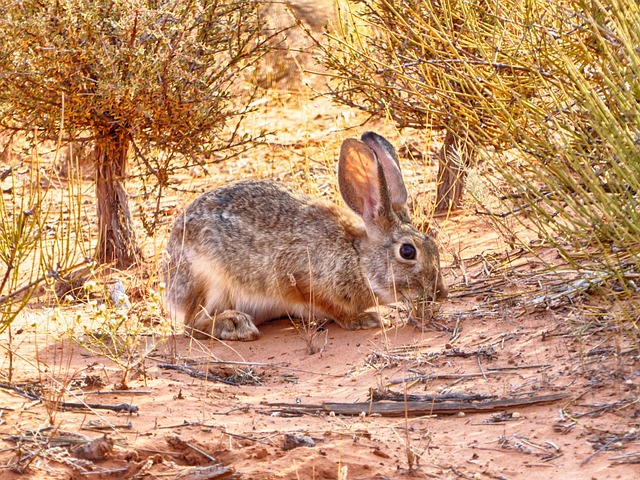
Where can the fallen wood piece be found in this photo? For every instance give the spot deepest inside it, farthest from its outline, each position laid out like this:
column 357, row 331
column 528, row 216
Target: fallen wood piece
column 395, row 409
column 379, row 395
column 417, row 409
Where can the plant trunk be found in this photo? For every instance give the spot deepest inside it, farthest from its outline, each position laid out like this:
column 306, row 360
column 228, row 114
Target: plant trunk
column 116, row 238
column 453, row 160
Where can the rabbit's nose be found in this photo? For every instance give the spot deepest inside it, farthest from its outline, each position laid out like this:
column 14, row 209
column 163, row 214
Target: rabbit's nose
column 442, row 293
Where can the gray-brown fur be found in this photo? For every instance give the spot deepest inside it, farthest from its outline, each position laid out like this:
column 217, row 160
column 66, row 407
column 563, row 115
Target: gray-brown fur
column 254, row 250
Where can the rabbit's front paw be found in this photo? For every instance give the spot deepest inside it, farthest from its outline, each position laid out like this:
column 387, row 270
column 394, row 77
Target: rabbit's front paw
column 228, row 325
column 364, row 321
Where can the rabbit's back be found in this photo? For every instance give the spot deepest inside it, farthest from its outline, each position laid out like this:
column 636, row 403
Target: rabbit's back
column 254, row 219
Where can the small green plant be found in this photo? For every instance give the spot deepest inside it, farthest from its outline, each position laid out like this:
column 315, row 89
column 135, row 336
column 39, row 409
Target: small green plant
column 22, row 222
column 311, row 330
column 120, row 331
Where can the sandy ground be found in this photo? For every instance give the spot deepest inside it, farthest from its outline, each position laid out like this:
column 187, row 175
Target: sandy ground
column 493, row 338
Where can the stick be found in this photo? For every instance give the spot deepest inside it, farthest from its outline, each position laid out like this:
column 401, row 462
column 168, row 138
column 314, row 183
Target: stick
column 122, row 407
column 519, row 367
column 177, row 440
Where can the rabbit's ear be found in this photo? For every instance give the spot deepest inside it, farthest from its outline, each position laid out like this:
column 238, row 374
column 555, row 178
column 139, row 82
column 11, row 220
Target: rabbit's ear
column 362, row 182
column 388, row 158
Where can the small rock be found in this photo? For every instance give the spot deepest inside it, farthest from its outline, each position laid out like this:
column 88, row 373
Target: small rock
column 119, row 296
column 294, row 441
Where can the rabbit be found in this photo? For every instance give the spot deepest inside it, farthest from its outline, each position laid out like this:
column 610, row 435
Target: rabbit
column 252, row 251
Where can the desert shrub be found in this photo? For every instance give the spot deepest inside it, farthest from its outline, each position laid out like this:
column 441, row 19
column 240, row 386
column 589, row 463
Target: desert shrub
column 151, row 79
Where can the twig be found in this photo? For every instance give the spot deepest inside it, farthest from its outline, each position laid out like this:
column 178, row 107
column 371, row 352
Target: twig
column 116, row 392
column 633, row 457
column 601, row 449
column 51, row 274
column 519, row 367
column 21, row 392
column 200, row 451
column 196, row 374
column 122, row 407
column 480, row 366
column 185, row 423
column 106, row 472
column 269, row 365
column 440, row 376
column 244, row 437
column 99, row 428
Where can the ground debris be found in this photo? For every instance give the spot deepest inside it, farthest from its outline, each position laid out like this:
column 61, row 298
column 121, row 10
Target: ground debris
column 239, row 377
column 631, row 458
column 58, row 438
column 522, row 444
column 32, row 395
column 608, row 442
column 501, row 417
column 180, row 444
column 208, row 473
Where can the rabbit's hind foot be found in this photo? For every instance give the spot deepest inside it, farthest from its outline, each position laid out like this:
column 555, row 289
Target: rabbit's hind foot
column 228, row 325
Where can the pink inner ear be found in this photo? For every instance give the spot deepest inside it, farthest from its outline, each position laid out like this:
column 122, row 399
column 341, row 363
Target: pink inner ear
column 359, row 178
column 366, row 172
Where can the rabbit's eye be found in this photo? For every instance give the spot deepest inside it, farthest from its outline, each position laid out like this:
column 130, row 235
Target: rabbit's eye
column 407, row 251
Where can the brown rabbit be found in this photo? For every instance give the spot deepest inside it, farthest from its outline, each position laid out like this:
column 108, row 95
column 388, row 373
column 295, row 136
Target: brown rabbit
column 255, row 250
